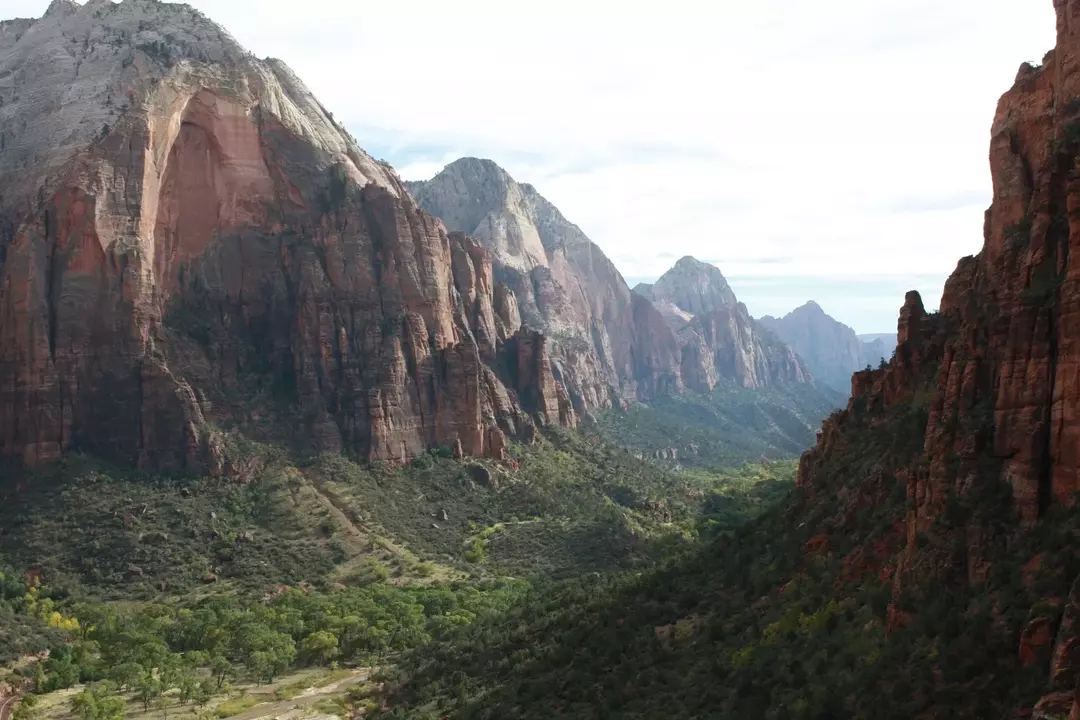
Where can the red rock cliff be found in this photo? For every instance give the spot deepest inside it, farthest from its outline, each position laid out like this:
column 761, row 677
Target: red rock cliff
column 185, row 231
column 998, row 370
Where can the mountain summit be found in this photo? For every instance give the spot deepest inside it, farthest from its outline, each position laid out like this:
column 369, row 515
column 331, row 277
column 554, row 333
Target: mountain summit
column 693, row 286
column 190, row 242
column 686, row 331
column 709, row 321
column 830, row 348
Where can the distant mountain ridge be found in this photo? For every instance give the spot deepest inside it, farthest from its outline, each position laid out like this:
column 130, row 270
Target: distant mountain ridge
column 831, row 349
column 686, row 331
column 710, row 322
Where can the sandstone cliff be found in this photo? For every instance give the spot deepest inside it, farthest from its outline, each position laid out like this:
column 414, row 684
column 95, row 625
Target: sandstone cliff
column 717, row 337
column 189, row 241
column 688, row 330
column 995, row 373
column 606, row 345
column 830, row 348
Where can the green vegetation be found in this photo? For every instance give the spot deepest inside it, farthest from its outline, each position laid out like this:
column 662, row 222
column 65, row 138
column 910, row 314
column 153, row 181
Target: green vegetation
column 787, row 616
column 189, row 596
column 725, row 428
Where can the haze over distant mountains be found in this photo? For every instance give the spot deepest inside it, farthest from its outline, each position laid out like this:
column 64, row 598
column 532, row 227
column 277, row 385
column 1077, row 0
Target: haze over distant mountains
column 831, row 349
column 564, row 284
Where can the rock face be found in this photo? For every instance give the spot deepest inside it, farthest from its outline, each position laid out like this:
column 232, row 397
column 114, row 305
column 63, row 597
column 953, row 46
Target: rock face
column 608, row 343
column 830, row 348
column 691, row 286
column 717, row 337
column 184, row 231
column 1000, row 362
column 607, row 346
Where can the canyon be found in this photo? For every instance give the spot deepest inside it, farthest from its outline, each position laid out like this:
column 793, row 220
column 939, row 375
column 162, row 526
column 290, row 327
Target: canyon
column 207, row 253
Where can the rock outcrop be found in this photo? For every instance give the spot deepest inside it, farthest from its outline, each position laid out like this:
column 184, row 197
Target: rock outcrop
column 692, row 287
column 996, row 371
column 189, row 241
column 830, row 348
column 717, row 337
column 607, row 346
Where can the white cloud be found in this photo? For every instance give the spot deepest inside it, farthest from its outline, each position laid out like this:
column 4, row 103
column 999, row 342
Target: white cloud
column 830, row 138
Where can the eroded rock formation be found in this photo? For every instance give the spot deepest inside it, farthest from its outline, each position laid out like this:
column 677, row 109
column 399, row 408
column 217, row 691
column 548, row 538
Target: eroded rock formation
column 188, row 241
column 996, row 372
column 609, row 344
column 717, row 337
column 560, row 282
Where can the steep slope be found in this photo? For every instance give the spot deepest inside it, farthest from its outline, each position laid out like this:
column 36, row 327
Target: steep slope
column 691, row 286
column 608, row 344
column 927, row 566
column 830, row 348
column 189, row 241
column 717, row 337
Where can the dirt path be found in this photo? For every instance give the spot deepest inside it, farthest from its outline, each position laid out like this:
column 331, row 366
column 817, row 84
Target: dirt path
column 6, row 705
column 289, row 708
column 345, row 514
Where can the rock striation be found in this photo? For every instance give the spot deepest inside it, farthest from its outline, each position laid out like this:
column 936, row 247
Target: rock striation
column 996, row 371
column 185, row 230
column 606, row 345
column 610, row 344
column 717, row 337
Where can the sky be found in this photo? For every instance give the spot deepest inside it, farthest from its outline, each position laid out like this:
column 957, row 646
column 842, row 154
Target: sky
column 833, row 150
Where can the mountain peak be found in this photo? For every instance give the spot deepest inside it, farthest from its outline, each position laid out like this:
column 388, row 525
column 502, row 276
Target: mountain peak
column 512, row 220
column 810, row 307
column 693, row 286
column 478, row 168
column 689, row 263
column 60, row 7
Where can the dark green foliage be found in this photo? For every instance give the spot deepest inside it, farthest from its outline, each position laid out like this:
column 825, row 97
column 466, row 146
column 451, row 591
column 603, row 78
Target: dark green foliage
column 1019, row 235
column 783, row 618
column 726, row 428
column 157, row 51
column 1043, row 285
column 150, row 649
column 197, row 563
column 572, row 505
column 20, row 632
column 131, row 535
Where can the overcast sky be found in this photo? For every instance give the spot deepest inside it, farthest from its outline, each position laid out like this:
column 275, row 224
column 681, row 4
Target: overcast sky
column 812, row 149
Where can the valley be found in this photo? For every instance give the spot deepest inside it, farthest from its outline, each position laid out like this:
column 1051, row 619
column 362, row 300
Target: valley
column 283, row 435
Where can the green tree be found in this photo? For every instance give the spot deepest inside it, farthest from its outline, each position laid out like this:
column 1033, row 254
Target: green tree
column 320, row 647
column 27, row 708
column 148, row 688
column 99, row 702
column 221, row 669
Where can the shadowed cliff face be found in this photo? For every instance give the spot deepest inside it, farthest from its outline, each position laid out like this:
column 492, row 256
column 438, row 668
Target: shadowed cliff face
column 203, row 233
column 997, row 370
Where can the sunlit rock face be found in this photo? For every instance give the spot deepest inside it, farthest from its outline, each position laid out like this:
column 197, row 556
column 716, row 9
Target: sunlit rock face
column 609, row 343
column 184, row 228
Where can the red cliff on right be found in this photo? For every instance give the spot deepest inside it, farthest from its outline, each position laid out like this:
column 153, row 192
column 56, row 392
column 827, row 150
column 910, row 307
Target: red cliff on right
column 992, row 381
